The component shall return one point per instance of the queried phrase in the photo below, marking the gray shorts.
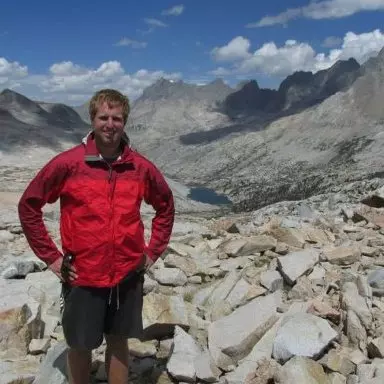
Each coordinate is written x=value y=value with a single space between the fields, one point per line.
x=89 y=313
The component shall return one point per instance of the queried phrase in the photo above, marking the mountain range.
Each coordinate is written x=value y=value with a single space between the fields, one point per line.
x=257 y=146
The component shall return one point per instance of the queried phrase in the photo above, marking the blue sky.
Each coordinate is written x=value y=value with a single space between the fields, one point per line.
x=64 y=51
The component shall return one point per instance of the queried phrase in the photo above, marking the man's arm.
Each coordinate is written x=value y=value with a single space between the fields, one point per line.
x=44 y=188
x=159 y=195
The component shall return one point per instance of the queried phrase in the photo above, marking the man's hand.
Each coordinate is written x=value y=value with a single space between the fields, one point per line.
x=146 y=263
x=56 y=267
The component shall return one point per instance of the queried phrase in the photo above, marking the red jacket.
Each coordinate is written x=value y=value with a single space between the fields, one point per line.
x=100 y=221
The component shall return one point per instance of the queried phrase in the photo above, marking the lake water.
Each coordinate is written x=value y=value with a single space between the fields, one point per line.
x=208 y=196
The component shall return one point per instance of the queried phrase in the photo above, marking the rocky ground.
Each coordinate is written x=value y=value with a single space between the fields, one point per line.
x=292 y=293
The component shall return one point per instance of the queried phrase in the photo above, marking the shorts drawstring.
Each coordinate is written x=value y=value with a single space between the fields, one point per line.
x=110 y=296
x=117 y=296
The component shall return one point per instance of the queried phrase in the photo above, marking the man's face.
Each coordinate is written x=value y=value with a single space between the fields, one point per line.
x=108 y=125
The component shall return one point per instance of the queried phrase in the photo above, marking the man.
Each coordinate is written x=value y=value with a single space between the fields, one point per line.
x=101 y=184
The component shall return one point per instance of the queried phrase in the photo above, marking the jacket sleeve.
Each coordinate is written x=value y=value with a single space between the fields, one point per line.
x=159 y=195
x=44 y=188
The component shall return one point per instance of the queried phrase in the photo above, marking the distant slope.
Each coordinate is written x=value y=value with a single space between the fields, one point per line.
x=309 y=136
x=264 y=157
x=33 y=132
x=82 y=111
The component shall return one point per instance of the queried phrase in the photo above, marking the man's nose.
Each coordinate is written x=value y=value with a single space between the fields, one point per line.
x=110 y=122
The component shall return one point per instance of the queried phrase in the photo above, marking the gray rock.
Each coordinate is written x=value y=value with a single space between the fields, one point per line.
x=376 y=348
x=376 y=281
x=181 y=364
x=336 y=378
x=256 y=244
x=233 y=247
x=302 y=334
x=142 y=349
x=170 y=276
x=338 y=361
x=38 y=346
x=356 y=333
x=187 y=265
x=342 y=255
x=18 y=269
x=232 y=337
x=351 y=300
x=206 y=370
x=6 y=236
x=231 y=264
x=23 y=370
x=301 y=370
x=162 y=313
x=53 y=369
x=222 y=290
x=295 y=264
x=271 y=280
x=238 y=294
x=363 y=287
x=263 y=348
x=149 y=284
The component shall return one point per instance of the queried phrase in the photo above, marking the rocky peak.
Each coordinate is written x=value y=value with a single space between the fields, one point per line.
x=298 y=78
x=342 y=66
x=250 y=99
x=303 y=89
x=169 y=90
x=216 y=90
x=63 y=114
x=11 y=99
x=338 y=77
x=374 y=64
x=161 y=89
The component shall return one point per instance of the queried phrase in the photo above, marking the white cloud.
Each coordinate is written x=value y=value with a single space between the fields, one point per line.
x=236 y=49
x=127 y=42
x=11 y=73
x=274 y=60
x=71 y=83
x=328 y=9
x=73 y=79
x=332 y=41
x=66 y=68
x=279 y=61
x=177 y=10
x=155 y=23
x=281 y=18
x=220 y=71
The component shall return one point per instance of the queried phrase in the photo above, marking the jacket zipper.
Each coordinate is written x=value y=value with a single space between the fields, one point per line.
x=112 y=242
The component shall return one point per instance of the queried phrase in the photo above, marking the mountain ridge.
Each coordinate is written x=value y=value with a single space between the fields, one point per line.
x=328 y=132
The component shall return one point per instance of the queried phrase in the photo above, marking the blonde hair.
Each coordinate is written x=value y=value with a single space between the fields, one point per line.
x=113 y=98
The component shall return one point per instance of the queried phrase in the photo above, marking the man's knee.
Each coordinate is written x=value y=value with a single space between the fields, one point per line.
x=116 y=341
x=77 y=354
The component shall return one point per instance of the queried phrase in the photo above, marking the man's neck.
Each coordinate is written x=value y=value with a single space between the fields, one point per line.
x=108 y=152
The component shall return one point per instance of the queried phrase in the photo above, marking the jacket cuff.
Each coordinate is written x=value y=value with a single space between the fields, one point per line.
x=150 y=254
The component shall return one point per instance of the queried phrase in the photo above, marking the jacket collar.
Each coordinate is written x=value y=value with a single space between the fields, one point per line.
x=92 y=154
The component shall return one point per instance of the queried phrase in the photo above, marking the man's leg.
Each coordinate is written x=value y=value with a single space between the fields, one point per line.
x=83 y=323
x=117 y=359
x=79 y=365
x=123 y=321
